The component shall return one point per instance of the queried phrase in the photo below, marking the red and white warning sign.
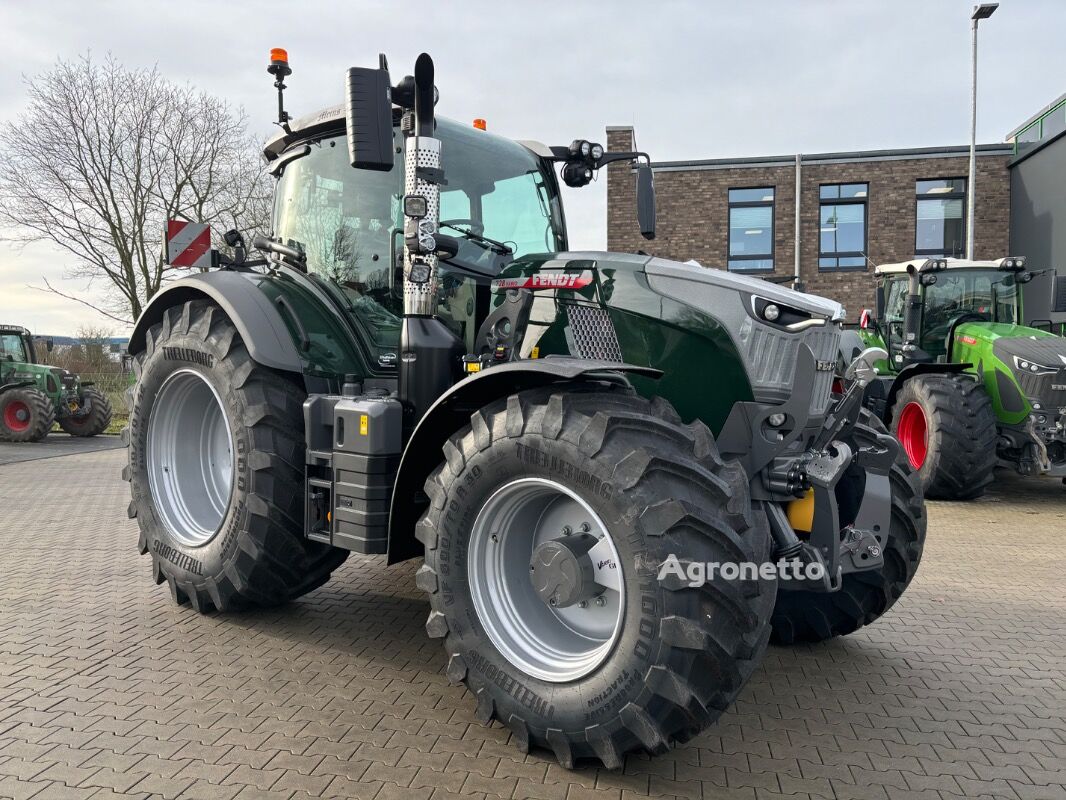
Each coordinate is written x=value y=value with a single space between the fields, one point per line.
x=188 y=244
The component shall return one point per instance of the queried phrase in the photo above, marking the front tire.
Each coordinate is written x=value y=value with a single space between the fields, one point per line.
x=26 y=415
x=947 y=427
x=95 y=421
x=216 y=468
x=802 y=616
x=679 y=654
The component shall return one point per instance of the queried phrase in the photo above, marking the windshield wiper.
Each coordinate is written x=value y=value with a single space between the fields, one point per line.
x=484 y=241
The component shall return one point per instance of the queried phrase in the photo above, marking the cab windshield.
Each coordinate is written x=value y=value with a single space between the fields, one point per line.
x=11 y=347
x=977 y=295
x=349 y=223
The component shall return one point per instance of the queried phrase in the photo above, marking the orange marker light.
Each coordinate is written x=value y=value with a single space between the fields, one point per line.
x=279 y=54
x=480 y=124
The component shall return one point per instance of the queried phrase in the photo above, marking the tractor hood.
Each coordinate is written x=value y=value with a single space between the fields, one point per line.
x=1039 y=365
x=660 y=270
x=1036 y=359
x=686 y=282
x=684 y=320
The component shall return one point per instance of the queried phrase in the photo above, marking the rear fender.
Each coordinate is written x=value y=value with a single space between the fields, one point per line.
x=452 y=411
x=257 y=319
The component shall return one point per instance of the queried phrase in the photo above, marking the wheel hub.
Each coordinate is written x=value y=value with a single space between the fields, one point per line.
x=562 y=572
x=523 y=554
x=17 y=416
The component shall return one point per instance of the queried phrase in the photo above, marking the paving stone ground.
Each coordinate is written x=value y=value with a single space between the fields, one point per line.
x=55 y=444
x=107 y=689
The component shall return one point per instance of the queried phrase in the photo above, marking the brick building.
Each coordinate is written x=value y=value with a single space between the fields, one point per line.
x=856 y=210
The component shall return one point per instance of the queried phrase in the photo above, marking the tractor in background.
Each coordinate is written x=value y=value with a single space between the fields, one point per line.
x=966 y=386
x=35 y=396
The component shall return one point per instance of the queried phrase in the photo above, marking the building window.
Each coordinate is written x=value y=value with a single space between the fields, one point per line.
x=751 y=229
x=842 y=226
x=940 y=217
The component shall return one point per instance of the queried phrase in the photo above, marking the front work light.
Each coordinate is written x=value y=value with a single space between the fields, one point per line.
x=414 y=206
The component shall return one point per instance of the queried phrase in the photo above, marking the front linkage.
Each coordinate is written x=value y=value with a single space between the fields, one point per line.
x=806 y=485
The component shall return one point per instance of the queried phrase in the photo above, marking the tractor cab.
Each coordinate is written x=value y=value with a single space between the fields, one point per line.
x=16 y=346
x=501 y=201
x=950 y=292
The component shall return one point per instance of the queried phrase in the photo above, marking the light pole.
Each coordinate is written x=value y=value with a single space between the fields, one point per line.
x=983 y=11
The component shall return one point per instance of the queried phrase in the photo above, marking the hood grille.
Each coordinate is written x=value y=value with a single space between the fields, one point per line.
x=771 y=356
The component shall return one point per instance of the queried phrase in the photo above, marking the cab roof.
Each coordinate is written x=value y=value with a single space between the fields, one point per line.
x=949 y=263
x=13 y=329
x=331 y=120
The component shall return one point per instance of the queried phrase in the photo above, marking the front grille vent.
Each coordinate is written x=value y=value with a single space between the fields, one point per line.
x=593 y=333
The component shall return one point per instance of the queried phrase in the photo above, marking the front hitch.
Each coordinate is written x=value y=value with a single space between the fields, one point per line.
x=814 y=477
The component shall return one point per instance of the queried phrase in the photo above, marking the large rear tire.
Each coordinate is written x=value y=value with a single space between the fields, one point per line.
x=26 y=415
x=216 y=465
x=93 y=422
x=676 y=655
x=863 y=597
x=947 y=427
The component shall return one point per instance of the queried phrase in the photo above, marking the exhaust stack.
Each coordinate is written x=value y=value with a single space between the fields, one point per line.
x=430 y=354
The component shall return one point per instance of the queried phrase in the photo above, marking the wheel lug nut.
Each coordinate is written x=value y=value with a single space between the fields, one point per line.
x=567 y=530
x=583 y=604
x=601 y=601
x=585 y=527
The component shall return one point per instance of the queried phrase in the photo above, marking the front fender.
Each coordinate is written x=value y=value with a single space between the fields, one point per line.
x=913 y=370
x=257 y=319
x=452 y=411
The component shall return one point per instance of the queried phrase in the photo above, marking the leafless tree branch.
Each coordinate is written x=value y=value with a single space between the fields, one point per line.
x=104 y=155
x=48 y=287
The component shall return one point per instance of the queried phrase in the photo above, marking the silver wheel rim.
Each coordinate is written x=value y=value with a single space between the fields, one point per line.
x=553 y=644
x=190 y=457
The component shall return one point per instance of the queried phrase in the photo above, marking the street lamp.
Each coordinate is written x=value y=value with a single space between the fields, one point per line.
x=983 y=11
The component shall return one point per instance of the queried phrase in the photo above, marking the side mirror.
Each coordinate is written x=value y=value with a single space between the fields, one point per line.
x=862 y=369
x=49 y=344
x=879 y=301
x=646 y=201
x=368 y=116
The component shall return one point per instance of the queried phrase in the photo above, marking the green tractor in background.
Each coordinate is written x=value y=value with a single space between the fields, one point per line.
x=34 y=396
x=966 y=386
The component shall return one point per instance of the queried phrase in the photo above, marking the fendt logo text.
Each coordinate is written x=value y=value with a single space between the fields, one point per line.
x=545 y=280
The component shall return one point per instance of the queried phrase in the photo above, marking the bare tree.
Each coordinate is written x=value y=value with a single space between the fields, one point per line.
x=89 y=353
x=104 y=155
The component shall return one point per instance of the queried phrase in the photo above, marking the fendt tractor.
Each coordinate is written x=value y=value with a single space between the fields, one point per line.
x=418 y=367
x=34 y=396
x=966 y=386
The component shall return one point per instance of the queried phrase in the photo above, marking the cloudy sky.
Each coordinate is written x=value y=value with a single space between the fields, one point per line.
x=698 y=79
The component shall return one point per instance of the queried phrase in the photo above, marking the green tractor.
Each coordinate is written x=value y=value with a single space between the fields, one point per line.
x=966 y=385
x=602 y=459
x=34 y=396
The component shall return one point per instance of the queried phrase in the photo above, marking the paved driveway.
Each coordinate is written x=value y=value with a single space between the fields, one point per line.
x=55 y=444
x=107 y=688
